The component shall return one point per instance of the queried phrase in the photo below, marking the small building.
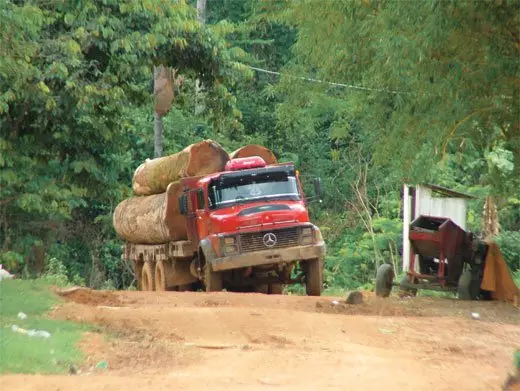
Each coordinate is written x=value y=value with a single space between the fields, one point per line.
x=431 y=200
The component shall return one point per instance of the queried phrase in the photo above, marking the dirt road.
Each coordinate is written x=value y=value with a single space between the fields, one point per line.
x=224 y=341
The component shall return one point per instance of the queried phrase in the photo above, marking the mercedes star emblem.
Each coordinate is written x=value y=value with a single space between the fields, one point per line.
x=270 y=239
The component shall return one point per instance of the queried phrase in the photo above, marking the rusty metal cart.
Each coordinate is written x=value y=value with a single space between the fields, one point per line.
x=450 y=259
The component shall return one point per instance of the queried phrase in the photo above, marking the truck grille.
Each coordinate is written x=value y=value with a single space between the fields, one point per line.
x=254 y=241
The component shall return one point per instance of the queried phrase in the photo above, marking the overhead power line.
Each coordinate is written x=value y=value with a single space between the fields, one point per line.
x=328 y=82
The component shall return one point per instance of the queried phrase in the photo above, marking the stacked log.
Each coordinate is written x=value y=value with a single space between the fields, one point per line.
x=255 y=150
x=152 y=219
x=203 y=158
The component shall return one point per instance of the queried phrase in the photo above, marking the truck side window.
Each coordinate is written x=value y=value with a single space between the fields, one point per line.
x=200 y=199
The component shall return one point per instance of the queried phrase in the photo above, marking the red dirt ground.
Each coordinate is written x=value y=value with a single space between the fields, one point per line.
x=229 y=341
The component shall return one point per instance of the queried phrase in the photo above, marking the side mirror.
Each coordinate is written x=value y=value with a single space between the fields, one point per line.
x=318 y=190
x=183 y=205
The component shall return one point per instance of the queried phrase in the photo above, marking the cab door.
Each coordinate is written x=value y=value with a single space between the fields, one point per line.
x=201 y=214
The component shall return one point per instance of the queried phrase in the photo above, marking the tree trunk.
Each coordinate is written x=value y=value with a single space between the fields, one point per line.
x=201 y=11
x=490 y=224
x=158 y=136
x=255 y=150
x=153 y=219
x=203 y=158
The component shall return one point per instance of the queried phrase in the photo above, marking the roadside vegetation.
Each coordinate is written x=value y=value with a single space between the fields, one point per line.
x=19 y=351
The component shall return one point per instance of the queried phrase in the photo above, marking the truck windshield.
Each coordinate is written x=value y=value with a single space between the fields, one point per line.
x=251 y=188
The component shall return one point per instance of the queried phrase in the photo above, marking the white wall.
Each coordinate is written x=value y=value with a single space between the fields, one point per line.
x=429 y=205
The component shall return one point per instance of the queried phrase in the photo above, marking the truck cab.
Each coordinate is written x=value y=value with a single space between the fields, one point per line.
x=251 y=228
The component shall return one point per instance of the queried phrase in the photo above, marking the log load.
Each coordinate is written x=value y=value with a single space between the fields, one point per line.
x=203 y=158
x=255 y=150
x=152 y=219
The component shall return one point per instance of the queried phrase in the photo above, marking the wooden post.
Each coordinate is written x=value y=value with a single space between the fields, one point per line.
x=406 y=227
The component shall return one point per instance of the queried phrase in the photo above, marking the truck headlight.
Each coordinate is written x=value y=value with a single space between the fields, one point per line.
x=230 y=245
x=307 y=236
x=230 y=240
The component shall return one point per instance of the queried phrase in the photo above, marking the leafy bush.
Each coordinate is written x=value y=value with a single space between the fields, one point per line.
x=56 y=272
x=509 y=242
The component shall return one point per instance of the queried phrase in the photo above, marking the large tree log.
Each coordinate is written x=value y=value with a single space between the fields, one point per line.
x=203 y=158
x=153 y=219
x=255 y=150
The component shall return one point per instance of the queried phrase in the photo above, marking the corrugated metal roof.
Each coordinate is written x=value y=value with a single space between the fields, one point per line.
x=447 y=192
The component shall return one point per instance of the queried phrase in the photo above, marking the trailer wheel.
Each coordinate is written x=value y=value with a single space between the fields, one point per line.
x=468 y=287
x=212 y=279
x=314 y=277
x=163 y=275
x=384 y=279
x=147 y=277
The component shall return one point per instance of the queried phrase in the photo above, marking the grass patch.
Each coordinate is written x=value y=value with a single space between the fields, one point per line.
x=20 y=353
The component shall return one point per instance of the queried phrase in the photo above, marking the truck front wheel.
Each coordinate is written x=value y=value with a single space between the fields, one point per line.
x=314 y=277
x=212 y=279
x=147 y=277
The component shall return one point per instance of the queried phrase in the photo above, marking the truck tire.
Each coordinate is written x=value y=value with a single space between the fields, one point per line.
x=468 y=287
x=314 y=277
x=212 y=279
x=276 y=289
x=384 y=279
x=163 y=275
x=147 y=277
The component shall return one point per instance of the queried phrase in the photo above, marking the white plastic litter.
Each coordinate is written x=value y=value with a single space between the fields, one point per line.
x=4 y=274
x=22 y=316
x=39 y=333
x=335 y=302
x=475 y=315
x=31 y=333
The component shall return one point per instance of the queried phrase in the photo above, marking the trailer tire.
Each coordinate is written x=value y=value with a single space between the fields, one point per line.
x=163 y=275
x=314 y=277
x=468 y=287
x=212 y=279
x=384 y=279
x=147 y=277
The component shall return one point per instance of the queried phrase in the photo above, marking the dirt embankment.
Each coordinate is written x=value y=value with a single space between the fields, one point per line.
x=225 y=341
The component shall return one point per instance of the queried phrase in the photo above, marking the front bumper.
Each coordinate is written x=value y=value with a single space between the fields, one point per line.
x=266 y=257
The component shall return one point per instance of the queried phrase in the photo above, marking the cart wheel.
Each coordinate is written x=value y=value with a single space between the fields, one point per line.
x=468 y=287
x=384 y=279
x=406 y=290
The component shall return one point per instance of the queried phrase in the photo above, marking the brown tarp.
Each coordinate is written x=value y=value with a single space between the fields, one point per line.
x=497 y=276
x=203 y=158
x=255 y=150
x=153 y=219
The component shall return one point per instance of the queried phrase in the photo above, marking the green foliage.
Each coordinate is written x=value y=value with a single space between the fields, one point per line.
x=55 y=273
x=24 y=354
x=509 y=242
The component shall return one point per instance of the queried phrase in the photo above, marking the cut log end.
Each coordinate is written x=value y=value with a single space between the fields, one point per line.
x=255 y=150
